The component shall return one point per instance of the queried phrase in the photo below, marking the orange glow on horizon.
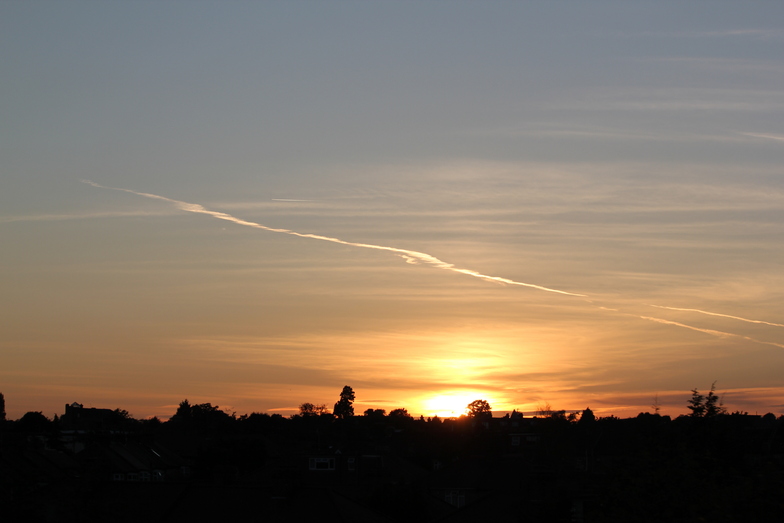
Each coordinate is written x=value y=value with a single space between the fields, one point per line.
x=451 y=404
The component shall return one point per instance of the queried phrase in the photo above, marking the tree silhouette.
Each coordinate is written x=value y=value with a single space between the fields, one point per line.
x=655 y=405
x=587 y=416
x=201 y=415
x=375 y=413
x=479 y=409
x=183 y=411
x=705 y=406
x=544 y=411
x=2 y=408
x=309 y=409
x=713 y=409
x=344 y=408
x=399 y=413
x=696 y=405
x=34 y=421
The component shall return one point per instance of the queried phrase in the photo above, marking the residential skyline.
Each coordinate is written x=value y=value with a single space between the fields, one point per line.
x=255 y=204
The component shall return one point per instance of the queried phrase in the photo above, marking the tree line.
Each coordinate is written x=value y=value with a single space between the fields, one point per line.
x=700 y=405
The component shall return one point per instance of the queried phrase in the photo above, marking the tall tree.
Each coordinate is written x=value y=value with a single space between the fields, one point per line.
x=344 y=408
x=587 y=416
x=479 y=409
x=713 y=407
x=655 y=405
x=695 y=404
x=2 y=407
x=183 y=411
x=705 y=406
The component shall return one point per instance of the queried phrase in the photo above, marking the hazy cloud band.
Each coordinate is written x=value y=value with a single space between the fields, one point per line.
x=410 y=256
x=416 y=257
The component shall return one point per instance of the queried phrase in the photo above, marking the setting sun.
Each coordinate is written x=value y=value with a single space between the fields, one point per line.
x=480 y=236
x=451 y=404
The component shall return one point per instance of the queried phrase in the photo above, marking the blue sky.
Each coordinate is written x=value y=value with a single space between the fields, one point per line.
x=629 y=152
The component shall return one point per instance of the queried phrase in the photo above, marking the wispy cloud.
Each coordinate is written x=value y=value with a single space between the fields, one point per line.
x=775 y=137
x=731 y=65
x=628 y=133
x=420 y=257
x=712 y=332
x=676 y=99
x=718 y=314
x=84 y=216
x=757 y=33
x=409 y=255
x=724 y=33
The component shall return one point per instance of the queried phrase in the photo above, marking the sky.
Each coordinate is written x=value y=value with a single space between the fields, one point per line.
x=253 y=204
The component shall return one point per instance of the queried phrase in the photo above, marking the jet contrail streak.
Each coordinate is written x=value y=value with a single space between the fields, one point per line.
x=775 y=137
x=409 y=256
x=719 y=334
x=416 y=256
x=717 y=314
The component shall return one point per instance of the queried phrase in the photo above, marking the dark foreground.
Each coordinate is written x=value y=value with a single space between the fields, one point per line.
x=101 y=465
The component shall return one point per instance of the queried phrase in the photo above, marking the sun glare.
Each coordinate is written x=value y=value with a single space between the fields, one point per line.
x=451 y=404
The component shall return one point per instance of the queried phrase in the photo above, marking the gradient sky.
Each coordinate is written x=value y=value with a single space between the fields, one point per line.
x=372 y=182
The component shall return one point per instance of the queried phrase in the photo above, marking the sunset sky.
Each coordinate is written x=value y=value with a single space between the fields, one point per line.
x=253 y=204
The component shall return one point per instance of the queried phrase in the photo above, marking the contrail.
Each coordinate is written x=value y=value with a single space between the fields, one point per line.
x=416 y=257
x=65 y=217
x=717 y=314
x=775 y=137
x=719 y=334
x=409 y=256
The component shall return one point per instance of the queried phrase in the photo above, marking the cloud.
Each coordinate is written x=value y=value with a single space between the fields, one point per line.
x=733 y=33
x=775 y=137
x=731 y=65
x=416 y=257
x=724 y=33
x=676 y=99
x=409 y=255
x=712 y=332
x=85 y=216
x=596 y=132
x=721 y=315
